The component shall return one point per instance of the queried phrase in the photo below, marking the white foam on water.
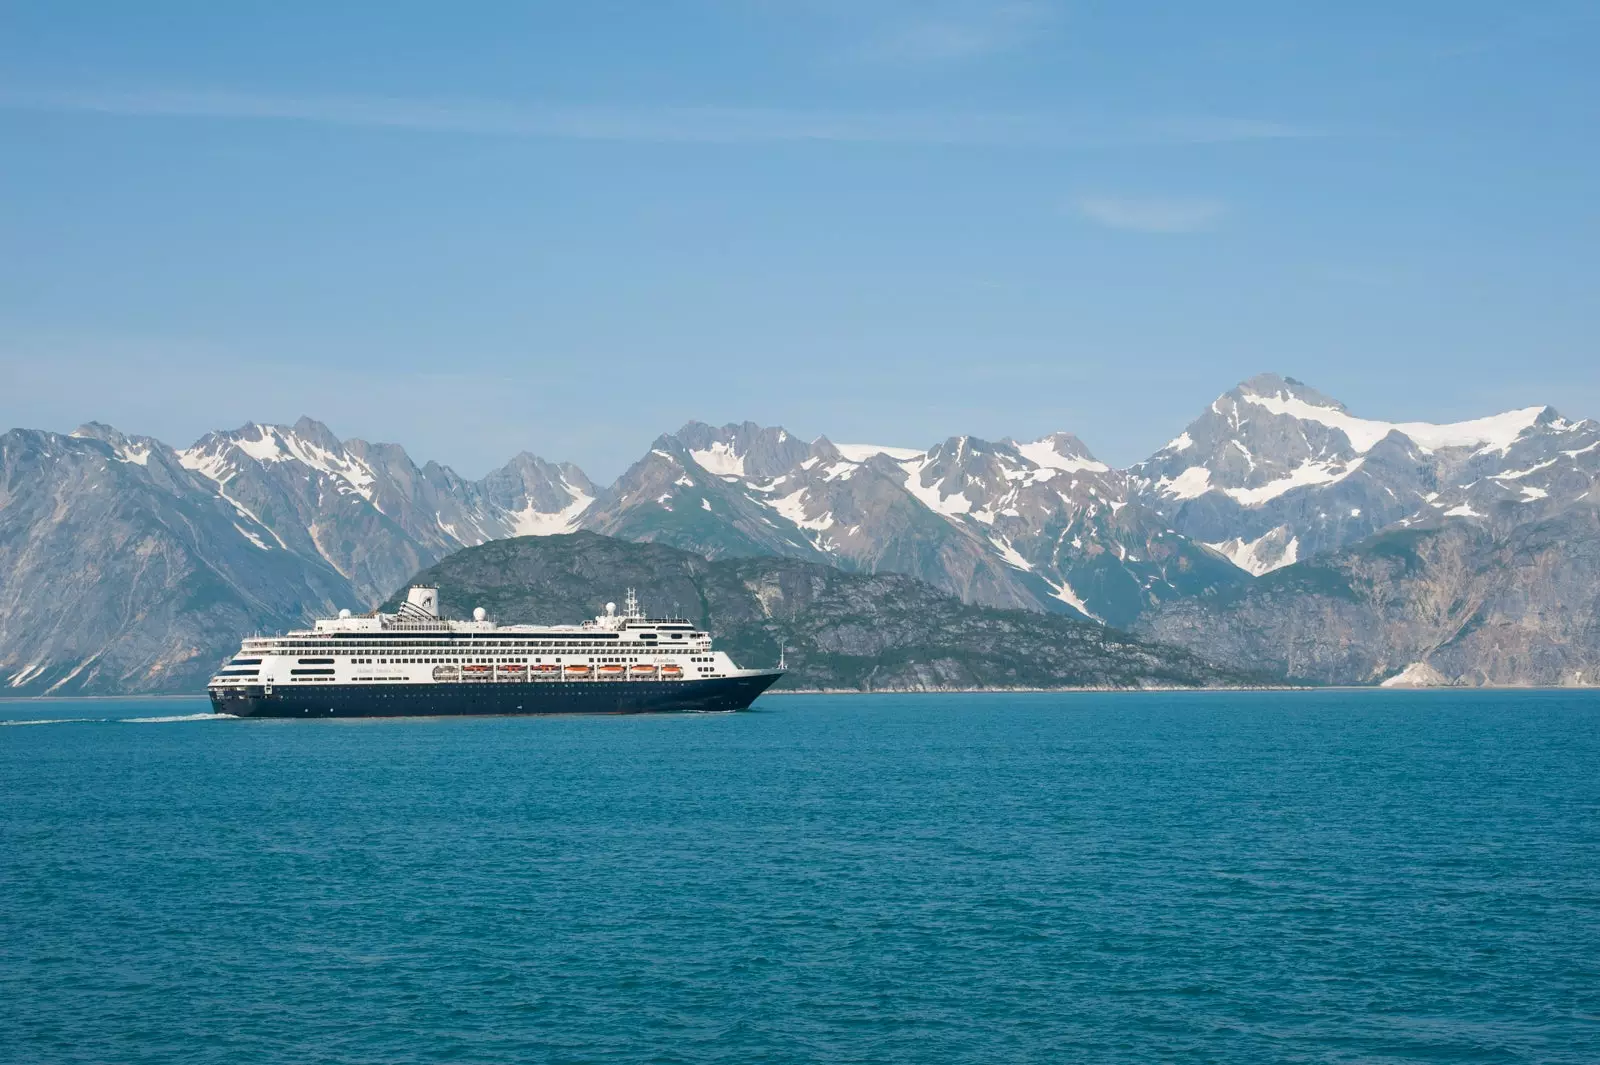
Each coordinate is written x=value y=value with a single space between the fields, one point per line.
x=61 y=721
x=165 y=720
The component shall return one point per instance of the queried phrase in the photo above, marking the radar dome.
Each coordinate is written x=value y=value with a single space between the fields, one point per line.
x=478 y=613
x=345 y=612
x=611 y=608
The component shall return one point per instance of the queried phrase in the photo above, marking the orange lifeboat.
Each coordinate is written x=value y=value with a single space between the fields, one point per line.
x=577 y=671
x=611 y=670
x=475 y=669
x=644 y=669
x=672 y=671
x=545 y=667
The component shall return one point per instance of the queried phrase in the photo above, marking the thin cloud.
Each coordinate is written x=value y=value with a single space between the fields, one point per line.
x=956 y=33
x=1152 y=215
x=705 y=125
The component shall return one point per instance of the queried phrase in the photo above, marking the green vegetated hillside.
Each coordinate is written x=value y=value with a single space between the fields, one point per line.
x=839 y=630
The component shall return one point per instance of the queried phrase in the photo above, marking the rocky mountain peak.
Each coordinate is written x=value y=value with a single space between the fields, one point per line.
x=747 y=450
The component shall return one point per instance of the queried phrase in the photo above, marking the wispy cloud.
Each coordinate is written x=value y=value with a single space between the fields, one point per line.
x=661 y=124
x=1152 y=214
x=954 y=32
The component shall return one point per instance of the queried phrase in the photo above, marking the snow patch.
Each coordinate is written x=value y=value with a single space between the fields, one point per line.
x=1417 y=675
x=950 y=506
x=137 y=454
x=1498 y=431
x=1462 y=510
x=793 y=508
x=1518 y=474
x=720 y=459
x=252 y=537
x=22 y=676
x=1190 y=484
x=863 y=452
x=1301 y=476
x=1256 y=556
x=1009 y=553
x=531 y=522
x=1043 y=453
x=1184 y=441
x=840 y=471
x=1064 y=592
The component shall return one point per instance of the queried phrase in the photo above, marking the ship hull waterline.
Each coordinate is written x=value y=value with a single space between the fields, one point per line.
x=492 y=698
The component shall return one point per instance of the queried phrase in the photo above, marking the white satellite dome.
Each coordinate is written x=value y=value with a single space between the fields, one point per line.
x=611 y=608
x=345 y=612
x=478 y=613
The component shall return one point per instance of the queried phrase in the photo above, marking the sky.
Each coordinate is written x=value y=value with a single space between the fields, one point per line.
x=569 y=227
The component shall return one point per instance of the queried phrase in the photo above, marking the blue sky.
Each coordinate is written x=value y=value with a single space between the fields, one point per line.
x=478 y=229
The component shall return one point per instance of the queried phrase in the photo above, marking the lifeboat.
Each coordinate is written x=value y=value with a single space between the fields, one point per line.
x=545 y=667
x=611 y=670
x=672 y=671
x=475 y=670
x=577 y=671
x=512 y=668
x=644 y=669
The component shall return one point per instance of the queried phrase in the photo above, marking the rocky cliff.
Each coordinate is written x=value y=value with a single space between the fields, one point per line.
x=839 y=630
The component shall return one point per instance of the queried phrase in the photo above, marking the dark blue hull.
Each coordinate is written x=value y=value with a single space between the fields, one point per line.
x=538 y=697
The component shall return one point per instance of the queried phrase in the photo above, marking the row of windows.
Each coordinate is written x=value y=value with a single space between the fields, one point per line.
x=381 y=648
x=520 y=640
x=477 y=661
x=343 y=651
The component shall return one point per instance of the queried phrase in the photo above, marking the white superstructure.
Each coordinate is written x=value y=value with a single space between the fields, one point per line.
x=417 y=646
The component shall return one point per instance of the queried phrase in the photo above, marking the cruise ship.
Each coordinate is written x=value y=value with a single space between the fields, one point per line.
x=415 y=662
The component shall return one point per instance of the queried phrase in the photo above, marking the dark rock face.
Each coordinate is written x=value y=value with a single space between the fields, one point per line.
x=1480 y=606
x=838 y=630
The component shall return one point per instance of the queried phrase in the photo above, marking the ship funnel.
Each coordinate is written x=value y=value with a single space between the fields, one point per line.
x=423 y=598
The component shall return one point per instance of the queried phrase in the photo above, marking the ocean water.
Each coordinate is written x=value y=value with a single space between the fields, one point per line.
x=1223 y=877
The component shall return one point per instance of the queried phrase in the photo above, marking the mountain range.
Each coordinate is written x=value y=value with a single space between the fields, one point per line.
x=1278 y=530
x=834 y=630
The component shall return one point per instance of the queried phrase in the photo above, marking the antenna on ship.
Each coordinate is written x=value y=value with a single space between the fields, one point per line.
x=630 y=605
x=782 y=656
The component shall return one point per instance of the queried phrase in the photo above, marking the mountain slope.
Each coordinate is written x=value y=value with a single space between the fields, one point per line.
x=838 y=629
x=367 y=510
x=1041 y=526
x=1493 y=582
x=120 y=572
x=1274 y=471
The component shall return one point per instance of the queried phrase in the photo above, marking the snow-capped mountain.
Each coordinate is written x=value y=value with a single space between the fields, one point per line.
x=367 y=509
x=267 y=523
x=1042 y=524
x=1494 y=580
x=1274 y=471
x=121 y=570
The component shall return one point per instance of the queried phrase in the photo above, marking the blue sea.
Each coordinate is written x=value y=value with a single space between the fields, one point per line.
x=1196 y=877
